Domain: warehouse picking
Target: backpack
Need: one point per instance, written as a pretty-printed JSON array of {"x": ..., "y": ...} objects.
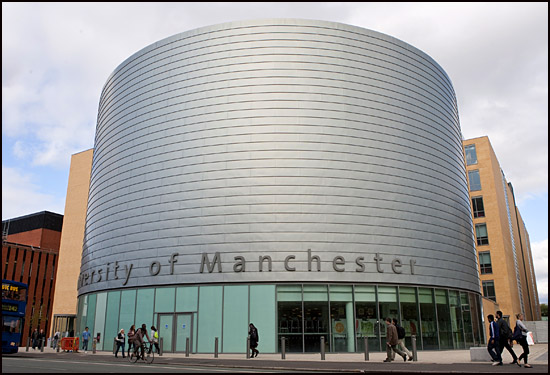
[
  {"x": 400, "y": 332},
  {"x": 506, "y": 331}
]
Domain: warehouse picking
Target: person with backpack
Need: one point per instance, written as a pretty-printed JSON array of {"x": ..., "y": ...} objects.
[
  {"x": 492, "y": 345},
  {"x": 254, "y": 339},
  {"x": 155, "y": 338},
  {"x": 505, "y": 337},
  {"x": 391, "y": 342},
  {"x": 401, "y": 340}
]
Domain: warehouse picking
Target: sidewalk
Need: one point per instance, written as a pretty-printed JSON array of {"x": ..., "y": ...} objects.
[{"x": 538, "y": 355}]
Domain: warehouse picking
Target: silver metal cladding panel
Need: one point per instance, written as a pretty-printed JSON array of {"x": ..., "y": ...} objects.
[{"x": 273, "y": 137}]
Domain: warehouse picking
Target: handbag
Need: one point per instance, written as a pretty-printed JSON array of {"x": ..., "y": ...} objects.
[{"x": 517, "y": 334}]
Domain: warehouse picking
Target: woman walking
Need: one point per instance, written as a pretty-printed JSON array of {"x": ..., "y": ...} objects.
[
  {"x": 131, "y": 333},
  {"x": 522, "y": 340},
  {"x": 120, "y": 342},
  {"x": 254, "y": 339}
]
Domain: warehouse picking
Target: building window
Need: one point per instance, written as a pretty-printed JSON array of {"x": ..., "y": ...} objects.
[
  {"x": 471, "y": 156},
  {"x": 481, "y": 234},
  {"x": 475, "y": 182},
  {"x": 477, "y": 206},
  {"x": 485, "y": 262},
  {"x": 489, "y": 290}
]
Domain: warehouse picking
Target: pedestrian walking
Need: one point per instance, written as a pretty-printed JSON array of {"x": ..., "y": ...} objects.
[
  {"x": 505, "y": 337},
  {"x": 41, "y": 339},
  {"x": 391, "y": 342},
  {"x": 401, "y": 340},
  {"x": 34, "y": 338},
  {"x": 521, "y": 338},
  {"x": 120, "y": 342},
  {"x": 492, "y": 345},
  {"x": 254, "y": 339},
  {"x": 131, "y": 333},
  {"x": 155, "y": 338},
  {"x": 85, "y": 337},
  {"x": 56, "y": 337}
]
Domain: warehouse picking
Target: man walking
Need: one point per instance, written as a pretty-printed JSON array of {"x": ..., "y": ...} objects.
[
  {"x": 391, "y": 342},
  {"x": 85, "y": 337},
  {"x": 505, "y": 336},
  {"x": 492, "y": 345},
  {"x": 401, "y": 340}
]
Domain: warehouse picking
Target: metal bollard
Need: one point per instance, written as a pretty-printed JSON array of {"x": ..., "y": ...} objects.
[
  {"x": 161, "y": 346},
  {"x": 283, "y": 348},
  {"x": 114, "y": 345},
  {"x": 216, "y": 347},
  {"x": 322, "y": 348},
  {"x": 94, "y": 343},
  {"x": 248, "y": 347},
  {"x": 58, "y": 345},
  {"x": 366, "y": 339},
  {"x": 42, "y": 345},
  {"x": 28, "y": 343},
  {"x": 187, "y": 347},
  {"x": 413, "y": 338}
]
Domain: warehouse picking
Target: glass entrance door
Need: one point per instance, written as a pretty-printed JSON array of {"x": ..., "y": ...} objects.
[
  {"x": 184, "y": 324},
  {"x": 174, "y": 330},
  {"x": 166, "y": 331}
]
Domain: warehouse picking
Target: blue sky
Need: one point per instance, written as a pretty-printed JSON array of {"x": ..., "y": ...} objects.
[{"x": 57, "y": 56}]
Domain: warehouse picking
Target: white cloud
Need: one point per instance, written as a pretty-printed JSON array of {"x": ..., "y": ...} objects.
[
  {"x": 21, "y": 195},
  {"x": 539, "y": 250}
]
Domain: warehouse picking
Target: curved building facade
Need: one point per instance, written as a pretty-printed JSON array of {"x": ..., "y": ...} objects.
[{"x": 306, "y": 176}]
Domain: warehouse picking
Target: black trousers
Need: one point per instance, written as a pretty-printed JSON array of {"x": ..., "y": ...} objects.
[
  {"x": 505, "y": 343},
  {"x": 525, "y": 346}
]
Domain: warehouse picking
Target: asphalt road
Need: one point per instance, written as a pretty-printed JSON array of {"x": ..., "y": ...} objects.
[
  {"x": 17, "y": 364},
  {"x": 81, "y": 363}
]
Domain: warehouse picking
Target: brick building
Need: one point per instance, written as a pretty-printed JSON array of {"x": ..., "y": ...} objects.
[{"x": 30, "y": 250}]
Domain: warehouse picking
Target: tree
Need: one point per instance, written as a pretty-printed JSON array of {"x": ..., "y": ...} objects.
[{"x": 543, "y": 309}]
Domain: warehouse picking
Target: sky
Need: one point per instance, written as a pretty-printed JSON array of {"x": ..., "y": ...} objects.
[{"x": 56, "y": 57}]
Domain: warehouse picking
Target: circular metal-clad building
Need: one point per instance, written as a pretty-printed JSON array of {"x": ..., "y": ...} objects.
[{"x": 305, "y": 176}]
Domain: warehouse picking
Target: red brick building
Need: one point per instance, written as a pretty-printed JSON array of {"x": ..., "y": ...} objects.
[{"x": 30, "y": 250}]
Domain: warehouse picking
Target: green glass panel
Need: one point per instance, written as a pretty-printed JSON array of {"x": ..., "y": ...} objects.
[
  {"x": 165, "y": 300},
  {"x": 316, "y": 293},
  {"x": 429, "y": 321},
  {"x": 443, "y": 320},
  {"x": 235, "y": 318},
  {"x": 289, "y": 293},
  {"x": 144, "y": 307},
  {"x": 343, "y": 293},
  {"x": 101, "y": 306},
  {"x": 186, "y": 298},
  {"x": 467, "y": 319},
  {"x": 82, "y": 315},
  {"x": 127, "y": 309},
  {"x": 262, "y": 314},
  {"x": 365, "y": 293},
  {"x": 209, "y": 318},
  {"x": 111, "y": 321},
  {"x": 409, "y": 313},
  {"x": 387, "y": 294},
  {"x": 366, "y": 314},
  {"x": 92, "y": 298}
]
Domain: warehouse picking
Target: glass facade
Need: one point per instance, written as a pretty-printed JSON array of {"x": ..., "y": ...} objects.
[{"x": 344, "y": 314}]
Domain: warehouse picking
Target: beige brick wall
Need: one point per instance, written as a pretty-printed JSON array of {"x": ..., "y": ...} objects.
[
  {"x": 70, "y": 251},
  {"x": 500, "y": 243}
]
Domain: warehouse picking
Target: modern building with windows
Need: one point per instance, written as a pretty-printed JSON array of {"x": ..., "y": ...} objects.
[
  {"x": 30, "y": 250},
  {"x": 305, "y": 176},
  {"x": 502, "y": 241}
]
